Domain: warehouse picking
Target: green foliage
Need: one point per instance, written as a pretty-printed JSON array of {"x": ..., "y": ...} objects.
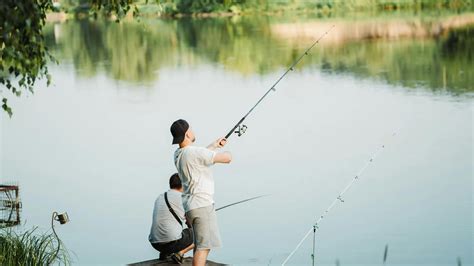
[
  {"x": 30, "y": 248},
  {"x": 23, "y": 53},
  {"x": 110, "y": 7},
  {"x": 397, "y": 4},
  {"x": 174, "y": 7}
]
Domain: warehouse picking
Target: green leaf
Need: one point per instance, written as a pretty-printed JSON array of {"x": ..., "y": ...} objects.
[
  {"x": 6, "y": 108},
  {"x": 48, "y": 77},
  {"x": 23, "y": 52}
]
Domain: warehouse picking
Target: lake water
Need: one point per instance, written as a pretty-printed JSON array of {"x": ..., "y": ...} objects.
[{"x": 96, "y": 143}]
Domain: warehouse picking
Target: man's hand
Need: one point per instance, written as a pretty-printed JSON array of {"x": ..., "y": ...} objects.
[{"x": 219, "y": 143}]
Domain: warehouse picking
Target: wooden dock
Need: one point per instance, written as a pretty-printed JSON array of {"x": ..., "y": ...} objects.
[
  {"x": 10, "y": 205},
  {"x": 186, "y": 261}
]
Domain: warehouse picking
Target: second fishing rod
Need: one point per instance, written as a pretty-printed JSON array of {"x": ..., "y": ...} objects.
[{"x": 240, "y": 128}]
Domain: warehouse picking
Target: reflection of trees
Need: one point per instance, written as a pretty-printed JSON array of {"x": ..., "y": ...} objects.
[
  {"x": 240, "y": 44},
  {"x": 435, "y": 64},
  {"x": 130, "y": 51},
  {"x": 85, "y": 46},
  {"x": 135, "y": 51},
  {"x": 458, "y": 56}
]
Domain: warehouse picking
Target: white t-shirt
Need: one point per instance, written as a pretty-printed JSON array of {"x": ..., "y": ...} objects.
[
  {"x": 164, "y": 227},
  {"x": 193, "y": 164}
]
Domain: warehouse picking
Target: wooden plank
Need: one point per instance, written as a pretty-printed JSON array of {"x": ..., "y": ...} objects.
[{"x": 186, "y": 261}]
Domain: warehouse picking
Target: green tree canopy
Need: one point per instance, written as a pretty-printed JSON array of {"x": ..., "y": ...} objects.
[{"x": 24, "y": 55}]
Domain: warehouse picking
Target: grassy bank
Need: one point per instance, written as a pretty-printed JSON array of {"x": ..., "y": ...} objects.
[{"x": 30, "y": 248}]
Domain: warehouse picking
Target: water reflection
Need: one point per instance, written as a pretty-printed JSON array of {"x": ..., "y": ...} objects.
[
  {"x": 135, "y": 52},
  {"x": 445, "y": 63},
  {"x": 129, "y": 51}
]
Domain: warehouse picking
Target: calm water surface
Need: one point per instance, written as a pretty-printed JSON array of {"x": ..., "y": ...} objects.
[{"x": 97, "y": 144}]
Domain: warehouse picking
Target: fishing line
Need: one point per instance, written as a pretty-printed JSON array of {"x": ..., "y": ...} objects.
[
  {"x": 238, "y": 202},
  {"x": 339, "y": 198},
  {"x": 239, "y": 128}
]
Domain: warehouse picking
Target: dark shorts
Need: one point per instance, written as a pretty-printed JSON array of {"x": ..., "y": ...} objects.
[{"x": 174, "y": 246}]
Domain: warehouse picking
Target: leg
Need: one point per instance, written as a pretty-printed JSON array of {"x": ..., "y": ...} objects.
[
  {"x": 184, "y": 251},
  {"x": 161, "y": 248},
  {"x": 185, "y": 244},
  {"x": 205, "y": 236},
  {"x": 200, "y": 257}
]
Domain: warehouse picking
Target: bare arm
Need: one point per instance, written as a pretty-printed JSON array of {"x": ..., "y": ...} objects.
[
  {"x": 219, "y": 143},
  {"x": 223, "y": 157},
  {"x": 220, "y": 157}
]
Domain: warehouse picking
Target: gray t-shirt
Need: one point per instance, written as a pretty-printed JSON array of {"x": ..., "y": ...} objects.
[
  {"x": 164, "y": 227},
  {"x": 193, "y": 164}
]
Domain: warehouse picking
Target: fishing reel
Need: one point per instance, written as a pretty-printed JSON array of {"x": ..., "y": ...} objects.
[{"x": 240, "y": 130}]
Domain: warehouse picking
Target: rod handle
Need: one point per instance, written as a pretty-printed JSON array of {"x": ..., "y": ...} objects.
[{"x": 233, "y": 129}]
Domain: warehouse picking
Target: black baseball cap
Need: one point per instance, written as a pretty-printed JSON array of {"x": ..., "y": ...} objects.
[{"x": 178, "y": 130}]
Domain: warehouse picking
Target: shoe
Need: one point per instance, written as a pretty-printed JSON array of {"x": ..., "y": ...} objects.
[
  {"x": 176, "y": 257},
  {"x": 164, "y": 256}
]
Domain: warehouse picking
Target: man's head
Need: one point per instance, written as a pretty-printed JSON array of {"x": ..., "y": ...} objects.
[
  {"x": 182, "y": 133},
  {"x": 175, "y": 182}
]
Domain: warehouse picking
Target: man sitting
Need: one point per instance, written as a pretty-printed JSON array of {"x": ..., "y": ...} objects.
[{"x": 167, "y": 234}]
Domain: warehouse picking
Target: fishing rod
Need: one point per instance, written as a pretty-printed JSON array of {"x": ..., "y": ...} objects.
[
  {"x": 339, "y": 198},
  {"x": 238, "y": 202},
  {"x": 240, "y": 128}
]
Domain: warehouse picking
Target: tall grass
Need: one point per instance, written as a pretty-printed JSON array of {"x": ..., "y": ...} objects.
[{"x": 30, "y": 248}]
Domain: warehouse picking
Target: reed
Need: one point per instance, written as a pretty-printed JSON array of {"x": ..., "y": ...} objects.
[{"x": 30, "y": 248}]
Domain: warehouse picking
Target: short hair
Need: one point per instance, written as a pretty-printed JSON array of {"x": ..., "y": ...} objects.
[{"x": 175, "y": 181}]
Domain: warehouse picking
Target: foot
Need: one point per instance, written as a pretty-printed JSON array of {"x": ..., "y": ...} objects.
[{"x": 176, "y": 257}]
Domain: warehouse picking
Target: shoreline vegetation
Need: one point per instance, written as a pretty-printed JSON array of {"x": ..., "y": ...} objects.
[
  {"x": 27, "y": 57},
  {"x": 31, "y": 247},
  {"x": 387, "y": 29},
  {"x": 68, "y": 9},
  {"x": 260, "y": 45}
]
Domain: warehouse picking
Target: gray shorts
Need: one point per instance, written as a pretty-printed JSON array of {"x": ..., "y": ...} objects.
[{"x": 206, "y": 232}]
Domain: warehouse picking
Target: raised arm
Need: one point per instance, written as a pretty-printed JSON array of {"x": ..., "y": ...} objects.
[
  {"x": 220, "y": 157},
  {"x": 219, "y": 143},
  {"x": 223, "y": 157}
]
